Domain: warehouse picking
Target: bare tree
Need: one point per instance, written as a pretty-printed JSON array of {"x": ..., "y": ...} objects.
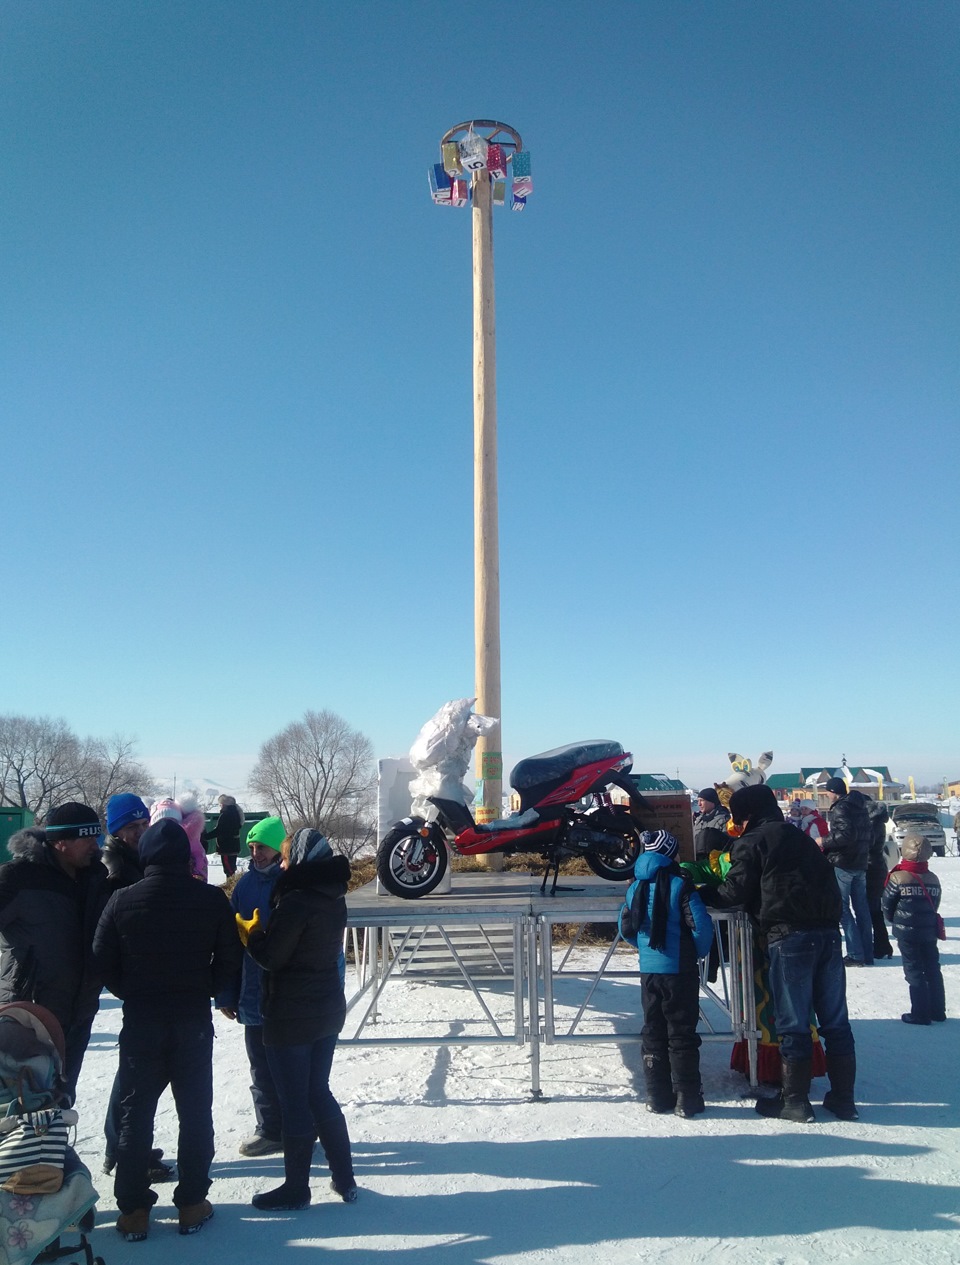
[
  {"x": 107, "y": 766},
  {"x": 43, "y": 762},
  {"x": 319, "y": 772},
  {"x": 39, "y": 758}
]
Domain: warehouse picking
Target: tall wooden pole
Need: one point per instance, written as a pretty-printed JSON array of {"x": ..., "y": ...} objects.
[{"x": 485, "y": 517}]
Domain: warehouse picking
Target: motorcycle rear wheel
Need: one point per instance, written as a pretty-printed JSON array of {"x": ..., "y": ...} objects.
[
  {"x": 409, "y": 865},
  {"x": 617, "y": 867}
]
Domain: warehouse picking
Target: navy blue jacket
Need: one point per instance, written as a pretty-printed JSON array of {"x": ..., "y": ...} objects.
[{"x": 252, "y": 891}]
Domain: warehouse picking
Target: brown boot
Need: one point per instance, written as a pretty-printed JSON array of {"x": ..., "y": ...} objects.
[
  {"x": 133, "y": 1226},
  {"x": 195, "y": 1216}
]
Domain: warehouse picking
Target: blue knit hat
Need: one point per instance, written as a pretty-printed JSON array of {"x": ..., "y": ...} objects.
[
  {"x": 659, "y": 841},
  {"x": 122, "y": 809}
]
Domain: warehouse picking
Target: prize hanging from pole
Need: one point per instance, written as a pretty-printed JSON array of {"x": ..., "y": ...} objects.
[{"x": 482, "y": 145}]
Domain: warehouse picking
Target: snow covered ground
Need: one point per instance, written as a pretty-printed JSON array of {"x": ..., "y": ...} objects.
[{"x": 456, "y": 1165}]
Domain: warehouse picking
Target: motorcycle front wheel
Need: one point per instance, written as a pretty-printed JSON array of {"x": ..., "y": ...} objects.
[
  {"x": 408, "y": 864},
  {"x": 617, "y": 864}
]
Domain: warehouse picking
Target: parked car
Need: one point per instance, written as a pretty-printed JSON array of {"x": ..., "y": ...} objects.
[{"x": 923, "y": 819}]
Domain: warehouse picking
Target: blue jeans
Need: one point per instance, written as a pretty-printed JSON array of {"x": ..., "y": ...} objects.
[
  {"x": 858, "y": 925},
  {"x": 806, "y": 974},
  {"x": 301, "y": 1074}
]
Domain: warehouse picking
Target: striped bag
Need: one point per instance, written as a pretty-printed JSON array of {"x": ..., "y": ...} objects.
[{"x": 32, "y": 1149}]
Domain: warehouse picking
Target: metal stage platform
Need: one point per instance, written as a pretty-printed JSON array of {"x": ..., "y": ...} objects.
[{"x": 486, "y": 951}]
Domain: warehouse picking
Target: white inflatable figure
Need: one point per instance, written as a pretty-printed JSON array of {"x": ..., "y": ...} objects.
[
  {"x": 744, "y": 774},
  {"x": 441, "y": 755}
]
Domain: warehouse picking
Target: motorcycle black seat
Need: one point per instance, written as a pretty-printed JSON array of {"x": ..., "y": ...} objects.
[{"x": 555, "y": 765}]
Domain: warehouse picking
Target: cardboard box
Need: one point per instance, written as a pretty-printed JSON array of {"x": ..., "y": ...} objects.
[
  {"x": 496, "y": 162},
  {"x": 668, "y": 812},
  {"x": 451, "y": 158},
  {"x": 521, "y": 163},
  {"x": 439, "y": 185}
]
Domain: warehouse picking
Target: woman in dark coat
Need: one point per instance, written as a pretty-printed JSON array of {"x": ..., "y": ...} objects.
[
  {"x": 303, "y": 1011},
  {"x": 226, "y": 831}
]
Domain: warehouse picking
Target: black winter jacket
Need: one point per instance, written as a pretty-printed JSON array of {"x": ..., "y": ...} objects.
[
  {"x": 123, "y": 864},
  {"x": 781, "y": 878},
  {"x": 851, "y": 832},
  {"x": 47, "y": 922},
  {"x": 227, "y": 829},
  {"x": 301, "y": 994},
  {"x": 910, "y": 903},
  {"x": 167, "y": 944}
]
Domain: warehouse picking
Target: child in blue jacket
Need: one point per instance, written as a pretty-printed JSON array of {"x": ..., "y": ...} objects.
[{"x": 668, "y": 922}]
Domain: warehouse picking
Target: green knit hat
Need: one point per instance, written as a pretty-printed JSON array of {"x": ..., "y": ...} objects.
[{"x": 270, "y": 831}]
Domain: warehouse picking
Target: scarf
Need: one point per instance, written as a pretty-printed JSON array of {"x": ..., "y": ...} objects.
[
  {"x": 911, "y": 867},
  {"x": 661, "y": 903}
]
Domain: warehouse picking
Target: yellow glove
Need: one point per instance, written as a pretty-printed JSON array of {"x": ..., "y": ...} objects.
[{"x": 246, "y": 925}]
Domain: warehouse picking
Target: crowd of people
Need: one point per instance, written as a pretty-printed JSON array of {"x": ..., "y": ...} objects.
[
  {"x": 80, "y": 912},
  {"x": 801, "y": 879}
]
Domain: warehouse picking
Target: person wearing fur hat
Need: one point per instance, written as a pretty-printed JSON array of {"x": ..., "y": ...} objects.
[
  {"x": 51, "y": 894},
  {"x": 165, "y": 947},
  {"x": 788, "y": 887},
  {"x": 664, "y": 917},
  {"x": 304, "y": 1009},
  {"x": 226, "y": 831},
  {"x": 911, "y": 900},
  {"x": 251, "y": 895},
  {"x": 712, "y": 816}
]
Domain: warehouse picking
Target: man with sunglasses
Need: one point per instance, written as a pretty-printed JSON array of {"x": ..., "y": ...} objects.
[{"x": 51, "y": 896}]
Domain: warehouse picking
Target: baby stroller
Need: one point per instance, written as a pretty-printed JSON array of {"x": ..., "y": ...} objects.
[{"x": 45, "y": 1191}]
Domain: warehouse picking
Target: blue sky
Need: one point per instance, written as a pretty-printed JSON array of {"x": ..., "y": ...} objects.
[{"x": 236, "y": 376}]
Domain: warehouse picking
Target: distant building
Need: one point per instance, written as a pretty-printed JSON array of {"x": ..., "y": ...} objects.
[
  {"x": 874, "y": 781},
  {"x": 953, "y": 788}
]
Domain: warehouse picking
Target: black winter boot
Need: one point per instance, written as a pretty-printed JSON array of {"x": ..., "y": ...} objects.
[
  {"x": 685, "y": 1071},
  {"x": 335, "y": 1141},
  {"x": 793, "y": 1102},
  {"x": 842, "y": 1071},
  {"x": 656, "y": 1075},
  {"x": 295, "y": 1191}
]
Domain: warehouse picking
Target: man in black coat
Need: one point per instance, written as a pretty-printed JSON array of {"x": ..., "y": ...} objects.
[
  {"x": 787, "y": 886},
  {"x": 51, "y": 896},
  {"x": 847, "y": 848},
  {"x": 127, "y": 819},
  {"x": 165, "y": 946}
]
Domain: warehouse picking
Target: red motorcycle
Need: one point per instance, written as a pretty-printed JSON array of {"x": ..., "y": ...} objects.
[{"x": 565, "y": 811}]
